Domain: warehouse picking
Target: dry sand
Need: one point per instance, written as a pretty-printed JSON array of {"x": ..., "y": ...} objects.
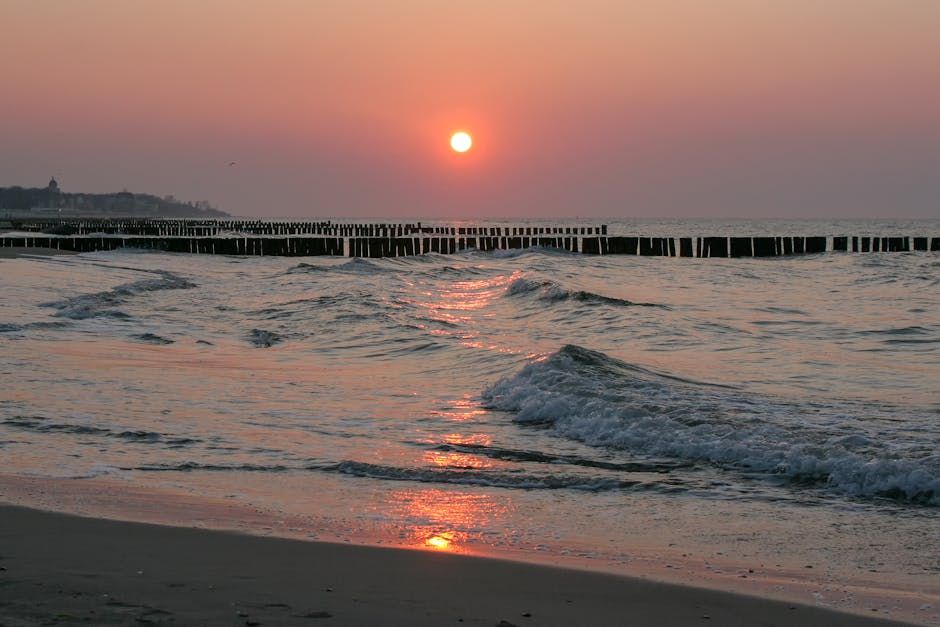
[{"x": 65, "y": 569}]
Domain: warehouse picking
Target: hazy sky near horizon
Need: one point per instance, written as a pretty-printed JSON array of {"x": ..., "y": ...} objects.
[{"x": 613, "y": 108}]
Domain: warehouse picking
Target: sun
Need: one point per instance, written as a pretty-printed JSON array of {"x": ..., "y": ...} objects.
[{"x": 461, "y": 141}]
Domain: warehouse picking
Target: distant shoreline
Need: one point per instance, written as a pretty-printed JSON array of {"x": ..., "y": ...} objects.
[{"x": 18, "y": 202}]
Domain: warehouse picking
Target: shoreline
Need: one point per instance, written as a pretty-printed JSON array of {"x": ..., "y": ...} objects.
[
  {"x": 59, "y": 567},
  {"x": 127, "y": 508}
]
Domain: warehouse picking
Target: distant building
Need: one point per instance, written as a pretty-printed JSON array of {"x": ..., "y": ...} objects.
[{"x": 53, "y": 185}]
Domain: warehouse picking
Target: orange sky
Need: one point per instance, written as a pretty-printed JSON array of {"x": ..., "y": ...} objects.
[{"x": 601, "y": 107}]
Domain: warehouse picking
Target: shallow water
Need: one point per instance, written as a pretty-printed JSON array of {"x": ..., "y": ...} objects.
[{"x": 531, "y": 400}]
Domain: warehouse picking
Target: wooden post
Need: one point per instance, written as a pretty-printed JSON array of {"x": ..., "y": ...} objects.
[
  {"x": 898, "y": 244},
  {"x": 741, "y": 247},
  {"x": 815, "y": 245},
  {"x": 715, "y": 247},
  {"x": 765, "y": 246}
]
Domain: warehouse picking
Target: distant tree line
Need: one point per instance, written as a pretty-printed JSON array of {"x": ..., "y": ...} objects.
[{"x": 51, "y": 200}]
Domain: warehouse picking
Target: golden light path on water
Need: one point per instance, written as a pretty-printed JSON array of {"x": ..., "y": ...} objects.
[
  {"x": 439, "y": 517},
  {"x": 446, "y": 510}
]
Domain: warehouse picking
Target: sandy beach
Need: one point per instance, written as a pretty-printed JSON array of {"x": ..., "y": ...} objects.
[{"x": 63, "y": 569}]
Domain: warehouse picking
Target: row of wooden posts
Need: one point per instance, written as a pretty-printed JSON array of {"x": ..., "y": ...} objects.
[
  {"x": 210, "y": 228},
  {"x": 306, "y": 246}
]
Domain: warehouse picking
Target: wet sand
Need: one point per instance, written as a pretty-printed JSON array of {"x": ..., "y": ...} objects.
[{"x": 58, "y": 569}]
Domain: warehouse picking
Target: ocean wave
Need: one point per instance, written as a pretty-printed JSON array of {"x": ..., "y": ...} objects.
[
  {"x": 419, "y": 322},
  {"x": 47, "y": 324},
  {"x": 452, "y": 476},
  {"x": 44, "y": 324},
  {"x": 153, "y": 338},
  {"x": 553, "y": 292},
  {"x": 449, "y": 271},
  {"x": 515, "y": 455},
  {"x": 512, "y": 253},
  {"x": 262, "y": 338},
  {"x": 909, "y": 330},
  {"x": 98, "y": 470},
  {"x": 357, "y": 265},
  {"x": 43, "y": 425},
  {"x": 303, "y": 268},
  {"x": 196, "y": 466},
  {"x": 482, "y": 478},
  {"x": 588, "y": 396},
  {"x": 324, "y": 300},
  {"x": 407, "y": 346},
  {"x": 349, "y": 305},
  {"x": 104, "y": 304}
]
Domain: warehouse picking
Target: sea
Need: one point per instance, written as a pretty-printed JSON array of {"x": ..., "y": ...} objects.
[{"x": 766, "y": 426}]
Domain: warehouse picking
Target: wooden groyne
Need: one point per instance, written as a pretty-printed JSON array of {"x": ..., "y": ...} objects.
[
  {"x": 215, "y": 228},
  {"x": 305, "y": 239}
]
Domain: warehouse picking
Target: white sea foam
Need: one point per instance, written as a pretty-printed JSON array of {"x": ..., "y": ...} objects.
[{"x": 588, "y": 396}]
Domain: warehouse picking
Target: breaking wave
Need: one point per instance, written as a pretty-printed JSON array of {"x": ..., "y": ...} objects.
[{"x": 588, "y": 396}]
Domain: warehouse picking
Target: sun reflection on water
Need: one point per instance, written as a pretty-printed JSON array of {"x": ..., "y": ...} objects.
[
  {"x": 460, "y": 304},
  {"x": 462, "y": 409},
  {"x": 440, "y": 541},
  {"x": 456, "y": 460},
  {"x": 467, "y": 295},
  {"x": 447, "y": 520}
]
